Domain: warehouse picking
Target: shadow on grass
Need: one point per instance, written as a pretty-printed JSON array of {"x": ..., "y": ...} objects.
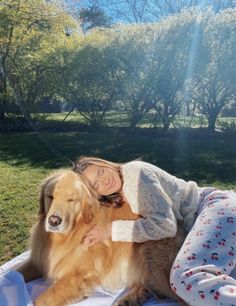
[{"x": 204, "y": 159}]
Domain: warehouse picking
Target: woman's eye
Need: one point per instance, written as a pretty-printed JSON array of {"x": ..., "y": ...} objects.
[{"x": 101, "y": 171}]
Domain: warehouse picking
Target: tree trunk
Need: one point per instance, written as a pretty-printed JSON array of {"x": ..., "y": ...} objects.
[
  {"x": 212, "y": 123},
  {"x": 3, "y": 100},
  {"x": 3, "y": 89},
  {"x": 165, "y": 119},
  {"x": 135, "y": 120},
  {"x": 166, "y": 124},
  {"x": 2, "y": 116}
]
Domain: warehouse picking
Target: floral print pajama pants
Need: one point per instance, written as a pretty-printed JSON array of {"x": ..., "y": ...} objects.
[{"x": 201, "y": 272}]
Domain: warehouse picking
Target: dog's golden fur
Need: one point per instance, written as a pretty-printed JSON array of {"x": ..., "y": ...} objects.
[{"x": 57, "y": 252}]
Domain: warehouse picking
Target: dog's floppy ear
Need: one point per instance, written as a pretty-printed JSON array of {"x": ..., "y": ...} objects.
[
  {"x": 87, "y": 214},
  {"x": 89, "y": 206},
  {"x": 42, "y": 195},
  {"x": 42, "y": 198}
]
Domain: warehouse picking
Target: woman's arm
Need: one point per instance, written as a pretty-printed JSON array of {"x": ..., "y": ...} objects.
[{"x": 146, "y": 197}]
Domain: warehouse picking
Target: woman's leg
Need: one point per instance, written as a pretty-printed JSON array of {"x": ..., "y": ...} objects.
[{"x": 200, "y": 273}]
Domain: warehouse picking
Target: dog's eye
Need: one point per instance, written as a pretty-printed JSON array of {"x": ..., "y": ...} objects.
[
  {"x": 70, "y": 201},
  {"x": 50, "y": 197}
]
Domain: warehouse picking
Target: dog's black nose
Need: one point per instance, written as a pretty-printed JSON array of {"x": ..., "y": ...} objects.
[{"x": 54, "y": 220}]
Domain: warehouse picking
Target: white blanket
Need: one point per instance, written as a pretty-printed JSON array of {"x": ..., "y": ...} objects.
[{"x": 14, "y": 291}]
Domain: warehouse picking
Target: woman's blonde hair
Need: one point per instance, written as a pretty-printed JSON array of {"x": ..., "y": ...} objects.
[
  {"x": 83, "y": 162},
  {"x": 115, "y": 199}
]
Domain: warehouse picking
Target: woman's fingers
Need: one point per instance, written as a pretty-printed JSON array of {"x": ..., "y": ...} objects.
[
  {"x": 97, "y": 233},
  {"x": 89, "y": 240}
]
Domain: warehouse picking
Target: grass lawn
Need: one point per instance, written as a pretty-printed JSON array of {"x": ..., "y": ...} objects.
[{"x": 27, "y": 158}]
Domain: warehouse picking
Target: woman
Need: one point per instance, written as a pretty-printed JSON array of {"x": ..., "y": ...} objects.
[{"x": 200, "y": 273}]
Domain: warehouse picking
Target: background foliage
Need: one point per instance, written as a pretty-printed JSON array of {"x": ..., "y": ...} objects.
[{"x": 183, "y": 64}]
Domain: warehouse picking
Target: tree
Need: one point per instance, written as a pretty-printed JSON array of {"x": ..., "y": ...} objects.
[
  {"x": 159, "y": 9},
  {"x": 93, "y": 17},
  {"x": 94, "y": 76},
  {"x": 215, "y": 86},
  {"x": 142, "y": 11},
  {"x": 155, "y": 59},
  {"x": 139, "y": 73},
  {"x": 173, "y": 48},
  {"x": 28, "y": 31}
]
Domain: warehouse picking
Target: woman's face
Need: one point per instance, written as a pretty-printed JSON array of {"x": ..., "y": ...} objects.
[{"x": 103, "y": 179}]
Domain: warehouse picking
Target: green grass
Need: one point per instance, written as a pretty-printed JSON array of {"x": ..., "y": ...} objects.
[{"x": 27, "y": 158}]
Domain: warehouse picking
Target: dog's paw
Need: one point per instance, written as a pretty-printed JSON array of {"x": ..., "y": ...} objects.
[
  {"x": 136, "y": 297},
  {"x": 123, "y": 302}
]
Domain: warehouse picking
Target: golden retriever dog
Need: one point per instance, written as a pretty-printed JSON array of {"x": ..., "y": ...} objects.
[{"x": 67, "y": 211}]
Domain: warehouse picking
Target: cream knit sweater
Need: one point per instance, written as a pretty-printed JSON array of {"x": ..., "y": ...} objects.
[{"x": 160, "y": 198}]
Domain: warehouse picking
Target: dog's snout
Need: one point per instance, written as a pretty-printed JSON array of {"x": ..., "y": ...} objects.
[{"x": 54, "y": 220}]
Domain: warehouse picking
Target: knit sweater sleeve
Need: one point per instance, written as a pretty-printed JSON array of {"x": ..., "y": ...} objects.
[{"x": 146, "y": 197}]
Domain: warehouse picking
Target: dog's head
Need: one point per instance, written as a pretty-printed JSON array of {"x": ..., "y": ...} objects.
[{"x": 65, "y": 199}]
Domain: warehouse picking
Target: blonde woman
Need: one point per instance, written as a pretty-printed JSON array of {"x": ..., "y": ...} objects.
[{"x": 201, "y": 272}]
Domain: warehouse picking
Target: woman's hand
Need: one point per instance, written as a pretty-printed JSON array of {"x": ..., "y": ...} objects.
[{"x": 97, "y": 233}]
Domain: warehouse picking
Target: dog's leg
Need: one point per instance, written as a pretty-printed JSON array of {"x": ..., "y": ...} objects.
[
  {"x": 156, "y": 267},
  {"x": 68, "y": 289},
  {"x": 137, "y": 295},
  {"x": 156, "y": 294},
  {"x": 29, "y": 271},
  {"x": 160, "y": 287}
]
